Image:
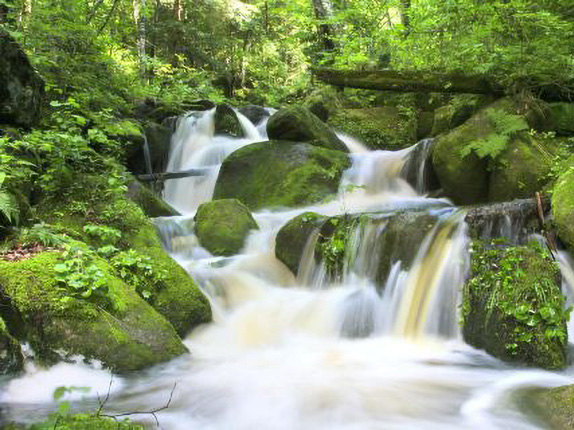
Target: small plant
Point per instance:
(8, 206)
(137, 271)
(103, 234)
(80, 274)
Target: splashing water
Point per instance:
(308, 351)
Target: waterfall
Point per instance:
(374, 346)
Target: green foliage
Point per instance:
(8, 207)
(332, 247)
(505, 127)
(79, 273)
(138, 271)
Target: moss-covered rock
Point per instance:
(226, 122)
(11, 359)
(152, 205)
(455, 113)
(84, 422)
(325, 101)
(513, 306)
(522, 169)
(298, 124)
(223, 225)
(461, 157)
(175, 295)
(379, 128)
(563, 207)
(555, 406)
(292, 239)
(280, 174)
(124, 332)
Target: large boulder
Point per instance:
(21, 88)
(457, 111)
(226, 122)
(522, 169)
(298, 124)
(513, 306)
(117, 327)
(491, 157)
(386, 128)
(11, 359)
(280, 174)
(563, 207)
(223, 225)
(174, 294)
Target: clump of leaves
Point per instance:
(8, 205)
(138, 272)
(505, 127)
(80, 274)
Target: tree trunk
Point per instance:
(405, 16)
(323, 12)
(426, 82)
(139, 19)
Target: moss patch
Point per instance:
(563, 207)
(386, 128)
(555, 406)
(223, 225)
(513, 306)
(84, 422)
(11, 359)
(298, 124)
(280, 174)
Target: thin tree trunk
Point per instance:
(323, 12)
(405, 16)
(139, 19)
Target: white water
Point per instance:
(307, 352)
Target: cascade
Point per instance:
(361, 350)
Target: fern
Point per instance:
(8, 206)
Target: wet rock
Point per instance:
(21, 87)
(158, 141)
(154, 110)
(293, 237)
(554, 406)
(11, 358)
(152, 205)
(418, 170)
(563, 207)
(561, 118)
(223, 225)
(298, 124)
(226, 122)
(280, 174)
(457, 111)
(513, 306)
(254, 113)
(383, 128)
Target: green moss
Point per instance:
(460, 108)
(129, 336)
(562, 118)
(563, 207)
(332, 245)
(292, 239)
(84, 422)
(513, 306)
(298, 124)
(522, 169)
(388, 128)
(280, 174)
(223, 225)
(152, 205)
(555, 406)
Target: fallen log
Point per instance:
(160, 177)
(427, 82)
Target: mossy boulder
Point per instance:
(175, 295)
(555, 406)
(563, 207)
(226, 122)
(522, 169)
(152, 205)
(513, 307)
(490, 141)
(386, 128)
(298, 124)
(280, 174)
(11, 359)
(325, 101)
(223, 225)
(293, 237)
(122, 331)
(457, 111)
(21, 87)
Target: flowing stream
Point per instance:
(311, 351)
